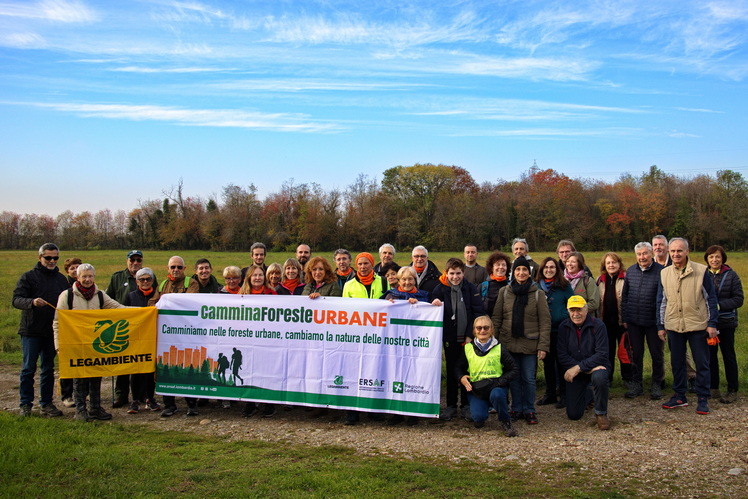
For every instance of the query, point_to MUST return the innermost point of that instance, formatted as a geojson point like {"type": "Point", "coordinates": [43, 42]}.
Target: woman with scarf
{"type": "Point", "coordinates": [232, 275]}
{"type": "Point", "coordinates": [557, 293]}
{"type": "Point", "coordinates": [610, 288]}
{"type": "Point", "coordinates": [462, 304]}
{"type": "Point", "coordinates": [143, 385]}
{"type": "Point", "coordinates": [522, 318]}
{"type": "Point", "coordinates": [256, 282]}
{"type": "Point", "coordinates": [292, 282]}
{"type": "Point", "coordinates": [581, 283]}
{"type": "Point", "coordinates": [320, 279]}
{"type": "Point", "coordinates": [498, 265]}
{"type": "Point", "coordinates": [729, 299]}
{"type": "Point", "coordinates": [85, 295]}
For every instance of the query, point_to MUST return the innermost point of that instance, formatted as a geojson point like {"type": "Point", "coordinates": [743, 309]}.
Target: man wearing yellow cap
{"type": "Point", "coordinates": [583, 353]}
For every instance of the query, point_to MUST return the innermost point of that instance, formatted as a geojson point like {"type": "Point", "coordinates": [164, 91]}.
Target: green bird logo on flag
{"type": "Point", "coordinates": [112, 337]}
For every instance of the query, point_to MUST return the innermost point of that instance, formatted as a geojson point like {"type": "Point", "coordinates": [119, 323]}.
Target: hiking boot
{"type": "Point", "coordinates": [82, 416]}
{"type": "Point", "coordinates": [655, 391]}
{"type": "Point", "coordinates": [466, 414]}
{"type": "Point", "coordinates": [152, 405]}
{"type": "Point", "coordinates": [169, 411]}
{"type": "Point", "coordinates": [479, 424]}
{"type": "Point", "coordinates": [715, 394]}
{"type": "Point", "coordinates": [561, 402]}
{"type": "Point", "coordinates": [411, 421]}
{"type": "Point", "coordinates": [351, 418]}
{"type": "Point", "coordinates": [68, 402]}
{"type": "Point", "coordinates": [635, 389]}
{"type": "Point", "coordinates": [516, 415]}
{"type": "Point", "coordinates": [192, 411]}
{"type": "Point", "coordinates": [730, 397]}
{"type": "Point", "coordinates": [530, 418]}
{"type": "Point", "coordinates": [547, 399]}
{"type": "Point", "coordinates": [134, 408]}
{"type": "Point", "coordinates": [448, 414]}
{"type": "Point", "coordinates": [26, 410]}
{"type": "Point", "coordinates": [250, 409]}
{"type": "Point", "coordinates": [702, 407]}
{"type": "Point", "coordinates": [395, 420]}
{"type": "Point", "coordinates": [603, 423]}
{"type": "Point", "coordinates": [100, 414]}
{"type": "Point", "coordinates": [508, 429]}
{"type": "Point", "coordinates": [50, 411]}
{"type": "Point", "coordinates": [120, 402]}
{"type": "Point", "coordinates": [675, 401]}
{"type": "Point", "coordinates": [268, 411]}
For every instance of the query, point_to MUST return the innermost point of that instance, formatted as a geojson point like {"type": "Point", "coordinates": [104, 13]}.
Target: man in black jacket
{"type": "Point", "coordinates": [583, 353]}
{"type": "Point", "coordinates": [35, 293]}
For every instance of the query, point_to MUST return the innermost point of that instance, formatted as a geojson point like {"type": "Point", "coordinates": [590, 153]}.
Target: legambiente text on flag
{"type": "Point", "coordinates": [342, 353]}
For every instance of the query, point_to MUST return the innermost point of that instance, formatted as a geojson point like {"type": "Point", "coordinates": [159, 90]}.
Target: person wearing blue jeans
{"type": "Point", "coordinates": [583, 353]}
{"type": "Point", "coordinates": [35, 291]}
{"type": "Point", "coordinates": [485, 371]}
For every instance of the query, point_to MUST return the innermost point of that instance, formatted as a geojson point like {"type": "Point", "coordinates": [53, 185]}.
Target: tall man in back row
{"type": "Point", "coordinates": [687, 314]}
{"type": "Point", "coordinates": [35, 291]}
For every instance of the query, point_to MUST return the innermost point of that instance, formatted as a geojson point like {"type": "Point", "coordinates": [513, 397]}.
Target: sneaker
{"type": "Point", "coordinates": [119, 403]}
{"type": "Point", "coordinates": [411, 420]}
{"type": "Point", "coordinates": [715, 394]}
{"type": "Point", "coordinates": [192, 411]}
{"type": "Point", "coordinates": [730, 397]}
{"type": "Point", "coordinates": [634, 391]}
{"type": "Point", "coordinates": [134, 408]}
{"type": "Point", "coordinates": [169, 411]}
{"type": "Point", "coordinates": [351, 418]}
{"type": "Point", "coordinates": [561, 402]}
{"type": "Point", "coordinates": [50, 411]}
{"type": "Point", "coordinates": [531, 418]}
{"type": "Point", "coordinates": [603, 423]}
{"type": "Point", "coordinates": [655, 391]}
{"type": "Point", "coordinates": [68, 402]}
{"type": "Point", "coordinates": [508, 429]}
{"type": "Point", "coordinates": [152, 405]}
{"type": "Point", "coordinates": [516, 415]}
{"type": "Point", "coordinates": [26, 410]}
{"type": "Point", "coordinates": [479, 424]}
{"type": "Point", "coordinates": [82, 416]}
{"type": "Point", "coordinates": [250, 409]}
{"type": "Point", "coordinates": [226, 404]}
{"type": "Point", "coordinates": [702, 407]}
{"type": "Point", "coordinates": [268, 411]}
{"type": "Point", "coordinates": [675, 401]}
{"type": "Point", "coordinates": [466, 414]}
{"type": "Point", "coordinates": [395, 420]}
{"type": "Point", "coordinates": [448, 414]}
{"type": "Point", "coordinates": [100, 414]}
{"type": "Point", "coordinates": [547, 399]}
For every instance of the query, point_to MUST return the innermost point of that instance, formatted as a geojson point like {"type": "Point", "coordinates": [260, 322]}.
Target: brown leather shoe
{"type": "Point", "coordinates": [602, 421]}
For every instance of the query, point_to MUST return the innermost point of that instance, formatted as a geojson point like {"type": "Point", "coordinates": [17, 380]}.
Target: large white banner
{"type": "Point", "coordinates": [343, 353]}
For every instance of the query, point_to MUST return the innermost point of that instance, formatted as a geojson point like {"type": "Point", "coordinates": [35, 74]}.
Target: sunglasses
{"type": "Point", "coordinates": [49, 258]}
{"type": "Point", "coordinates": [136, 259]}
{"type": "Point", "coordinates": [482, 328]}
{"type": "Point", "coordinates": [145, 279]}
{"type": "Point", "coordinates": [176, 267]}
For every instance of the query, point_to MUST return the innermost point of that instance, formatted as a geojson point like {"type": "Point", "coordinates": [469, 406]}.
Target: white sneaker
{"type": "Point", "coordinates": [68, 402]}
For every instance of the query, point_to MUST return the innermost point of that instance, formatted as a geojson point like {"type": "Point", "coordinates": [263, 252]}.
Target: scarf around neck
{"type": "Point", "coordinates": [87, 293]}
{"type": "Point", "coordinates": [518, 309]}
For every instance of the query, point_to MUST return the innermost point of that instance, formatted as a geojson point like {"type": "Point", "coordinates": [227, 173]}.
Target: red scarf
{"type": "Point", "coordinates": [500, 278]}
{"type": "Point", "coordinates": [87, 293]}
{"type": "Point", "coordinates": [414, 290]}
{"type": "Point", "coordinates": [147, 293]}
{"type": "Point", "coordinates": [290, 284]}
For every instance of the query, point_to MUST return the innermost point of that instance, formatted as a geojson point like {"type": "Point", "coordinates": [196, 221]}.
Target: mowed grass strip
{"type": "Point", "coordinates": [55, 458]}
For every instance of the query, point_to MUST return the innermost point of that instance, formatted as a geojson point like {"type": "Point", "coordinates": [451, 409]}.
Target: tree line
{"type": "Point", "coordinates": [439, 206]}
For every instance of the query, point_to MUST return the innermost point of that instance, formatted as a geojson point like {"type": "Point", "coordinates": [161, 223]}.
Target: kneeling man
{"type": "Point", "coordinates": [583, 353]}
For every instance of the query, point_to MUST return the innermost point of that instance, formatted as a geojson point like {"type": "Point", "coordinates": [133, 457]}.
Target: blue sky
{"type": "Point", "coordinates": [106, 103]}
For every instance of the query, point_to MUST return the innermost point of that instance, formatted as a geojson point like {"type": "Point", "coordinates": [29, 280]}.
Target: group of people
{"type": "Point", "coordinates": [498, 322]}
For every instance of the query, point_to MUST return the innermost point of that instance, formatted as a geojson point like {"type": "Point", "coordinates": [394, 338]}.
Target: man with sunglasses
{"type": "Point", "coordinates": [121, 284]}
{"type": "Point", "coordinates": [35, 291]}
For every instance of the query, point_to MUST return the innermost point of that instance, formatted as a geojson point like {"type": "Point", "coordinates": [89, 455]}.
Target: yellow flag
{"type": "Point", "coordinates": [107, 342]}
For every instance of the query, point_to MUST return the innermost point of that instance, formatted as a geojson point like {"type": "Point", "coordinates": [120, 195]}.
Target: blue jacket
{"type": "Point", "coordinates": [588, 351]}
{"type": "Point", "coordinates": [557, 299]}
{"type": "Point", "coordinates": [639, 295]}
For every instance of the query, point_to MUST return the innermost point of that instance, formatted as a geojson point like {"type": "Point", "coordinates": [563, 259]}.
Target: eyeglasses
{"type": "Point", "coordinates": [145, 279]}
{"type": "Point", "coordinates": [482, 328]}
{"type": "Point", "coordinates": [233, 278]}
{"type": "Point", "coordinates": [419, 256]}
{"type": "Point", "coordinates": [176, 267]}
{"type": "Point", "coordinates": [48, 258]}
{"type": "Point", "coordinates": [136, 259]}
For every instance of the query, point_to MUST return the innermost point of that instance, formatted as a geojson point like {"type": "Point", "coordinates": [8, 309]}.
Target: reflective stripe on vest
{"type": "Point", "coordinates": [486, 366]}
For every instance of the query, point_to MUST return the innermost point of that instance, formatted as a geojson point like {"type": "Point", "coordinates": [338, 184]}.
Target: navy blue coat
{"type": "Point", "coordinates": [588, 352]}
{"type": "Point", "coordinates": [639, 295]}
{"type": "Point", "coordinates": [473, 307]}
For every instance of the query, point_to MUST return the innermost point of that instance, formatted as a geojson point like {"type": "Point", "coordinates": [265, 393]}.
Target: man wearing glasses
{"type": "Point", "coordinates": [428, 274]}
{"type": "Point", "coordinates": [35, 291]}
{"type": "Point", "coordinates": [120, 285]}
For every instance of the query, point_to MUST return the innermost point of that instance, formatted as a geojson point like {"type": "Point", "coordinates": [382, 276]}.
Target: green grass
{"type": "Point", "coordinates": [53, 458]}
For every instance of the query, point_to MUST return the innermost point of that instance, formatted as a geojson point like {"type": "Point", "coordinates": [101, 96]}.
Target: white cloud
{"type": "Point", "coordinates": [279, 122]}
{"type": "Point", "coordinates": [21, 40]}
{"type": "Point", "coordinates": [64, 11]}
